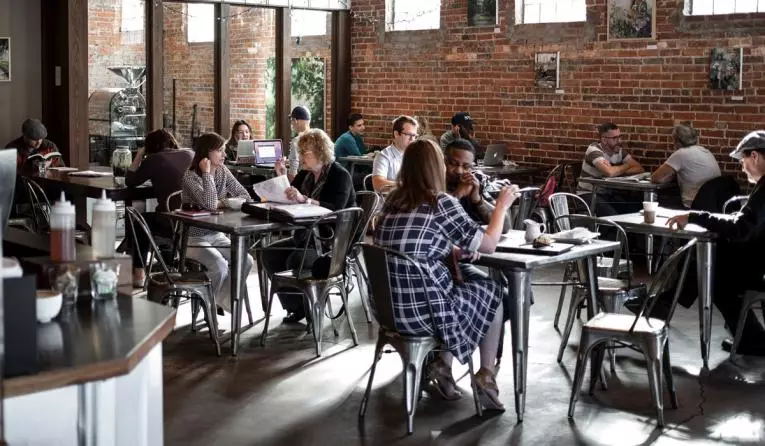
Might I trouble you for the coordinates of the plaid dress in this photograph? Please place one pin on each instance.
(462, 312)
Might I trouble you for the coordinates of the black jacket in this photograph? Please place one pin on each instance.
(748, 227)
(337, 192)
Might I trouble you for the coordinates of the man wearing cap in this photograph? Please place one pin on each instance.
(33, 142)
(300, 119)
(740, 244)
(462, 127)
(387, 163)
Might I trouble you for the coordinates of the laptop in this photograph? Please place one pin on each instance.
(267, 152)
(495, 154)
(245, 152)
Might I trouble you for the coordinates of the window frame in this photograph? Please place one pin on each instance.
(520, 13)
(688, 9)
(189, 17)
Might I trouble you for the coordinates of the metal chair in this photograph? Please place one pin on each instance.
(413, 350)
(168, 286)
(649, 335)
(751, 299)
(367, 183)
(614, 290)
(741, 200)
(561, 204)
(40, 207)
(316, 290)
(370, 203)
(527, 203)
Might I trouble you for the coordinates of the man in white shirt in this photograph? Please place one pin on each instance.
(388, 162)
(605, 159)
(692, 165)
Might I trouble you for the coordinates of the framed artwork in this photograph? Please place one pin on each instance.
(482, 12)
(726, 68)
(547, 70)
(5, 59)
(631, 19)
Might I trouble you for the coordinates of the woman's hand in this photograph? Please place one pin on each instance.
(507, 196)
(678, 220)
(295, 195)
(138, 158)
(280, 167)
(205, 165)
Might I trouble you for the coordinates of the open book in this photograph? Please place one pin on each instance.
(292, 212)
(272, 190)
(45, 157)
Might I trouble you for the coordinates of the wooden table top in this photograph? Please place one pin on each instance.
(94, 343)
(92, 186)
(233, 222)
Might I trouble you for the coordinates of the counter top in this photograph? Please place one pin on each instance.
(94, 343)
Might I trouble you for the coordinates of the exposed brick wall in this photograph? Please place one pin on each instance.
(488, 71)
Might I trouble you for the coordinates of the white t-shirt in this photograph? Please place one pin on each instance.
(693, 166)
(387, 163)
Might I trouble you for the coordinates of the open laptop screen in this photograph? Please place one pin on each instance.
(268, 151)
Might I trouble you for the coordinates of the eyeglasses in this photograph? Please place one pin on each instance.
(408, 135)
(456, 164)
(612, 137)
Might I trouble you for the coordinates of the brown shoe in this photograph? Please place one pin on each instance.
(488, 392)
(440, 376)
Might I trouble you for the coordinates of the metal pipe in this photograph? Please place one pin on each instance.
(174, 128)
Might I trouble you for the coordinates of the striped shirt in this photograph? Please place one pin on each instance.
(593, 154)
(207, 189)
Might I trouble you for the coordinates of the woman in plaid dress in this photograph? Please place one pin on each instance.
(421, 220)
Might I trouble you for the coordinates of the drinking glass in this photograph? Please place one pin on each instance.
(65, 279)
(103, 280)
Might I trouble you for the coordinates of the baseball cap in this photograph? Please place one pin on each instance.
(754, 140)
(463, 119)
(300, 113)
(34, 129)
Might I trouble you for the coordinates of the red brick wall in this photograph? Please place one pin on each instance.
(489, 72)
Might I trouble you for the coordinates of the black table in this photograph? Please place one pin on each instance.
(76, 186)
(518, 269)
(352, 160)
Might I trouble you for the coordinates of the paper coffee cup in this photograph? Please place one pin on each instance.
(650, 206)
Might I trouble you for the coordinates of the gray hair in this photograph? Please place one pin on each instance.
(685, 135)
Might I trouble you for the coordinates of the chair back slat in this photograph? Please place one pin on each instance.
(376, 259)
(734, 204)
(370, 203)
(526, 204)
(344, 224)
(595, 224)
(137, 222)
(561, 205)
(40, 205)
(665, 278)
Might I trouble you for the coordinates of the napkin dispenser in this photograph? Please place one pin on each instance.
(20, 326)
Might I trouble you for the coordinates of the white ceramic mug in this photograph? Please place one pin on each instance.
(48, 305)
(533, 229)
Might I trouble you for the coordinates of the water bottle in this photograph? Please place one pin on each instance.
(62, 221)
(104, 231)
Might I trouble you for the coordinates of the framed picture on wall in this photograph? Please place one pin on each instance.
(5, 59)
(631, 19)
(547, 70)
(726, 68)
(482, 12)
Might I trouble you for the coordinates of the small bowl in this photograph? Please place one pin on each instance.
(235, 203)
(48, 305)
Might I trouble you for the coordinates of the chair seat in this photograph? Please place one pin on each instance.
(621, 323)
(606, 263)
(611, 285)
(190, 278)
(289, 276)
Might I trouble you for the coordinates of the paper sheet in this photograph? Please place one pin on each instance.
(90, 173)
(273, 190)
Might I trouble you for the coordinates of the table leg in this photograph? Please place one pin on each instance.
(705, 251)
(237, 261)
(86, 414)
(184, 243)
(520, 285)
(352, 168)
(593, 199)
(649, 196)
(592, 300)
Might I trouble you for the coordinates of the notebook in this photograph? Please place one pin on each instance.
(245, 152)
(495, 154)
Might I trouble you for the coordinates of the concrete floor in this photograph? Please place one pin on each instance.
(283, 395)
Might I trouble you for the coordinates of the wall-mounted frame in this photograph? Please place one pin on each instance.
(726, 68)
(5, 59)
(482, 12)
(631, 19)
(547, 70)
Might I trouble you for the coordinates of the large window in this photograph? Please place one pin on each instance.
(252, 37)
(716, 7)
(308, 23)
(200, 26)
(189, 74)
(116, 75)
(550, 11)
(405, 15)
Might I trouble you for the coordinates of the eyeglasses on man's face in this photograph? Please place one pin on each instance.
(456, 164)
(408, 135)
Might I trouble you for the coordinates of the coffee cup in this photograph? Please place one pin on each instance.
(48, 305)
(234, 203)
(649, 211)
